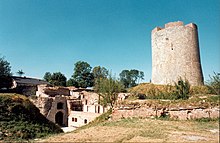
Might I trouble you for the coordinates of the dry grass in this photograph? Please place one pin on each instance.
(143, 130)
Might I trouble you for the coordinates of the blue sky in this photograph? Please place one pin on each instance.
(51, 35)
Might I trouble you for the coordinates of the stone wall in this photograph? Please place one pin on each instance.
(46, 91)
(177, 113)
(175, 53)
(43, 104)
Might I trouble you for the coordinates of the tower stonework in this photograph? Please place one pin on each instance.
(175, 53)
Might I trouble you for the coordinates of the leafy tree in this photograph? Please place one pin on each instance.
(5, 73)
(47, 76)
(5, 68)
(56, 79)
(125, 78)
(130, 77)
(108, 89)
(20, 73)
(72, 82)
(100, 72)
(82, 74)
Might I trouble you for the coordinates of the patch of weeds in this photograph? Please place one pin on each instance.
(207, 120)
(153, 133)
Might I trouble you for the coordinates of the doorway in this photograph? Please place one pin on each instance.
(59, 118)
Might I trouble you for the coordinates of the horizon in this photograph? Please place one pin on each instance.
(51, 36)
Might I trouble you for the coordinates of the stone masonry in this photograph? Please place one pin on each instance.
(175, 53)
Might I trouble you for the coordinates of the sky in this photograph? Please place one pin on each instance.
(41, 36)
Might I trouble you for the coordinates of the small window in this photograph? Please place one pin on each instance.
(60, 105)
(74, 119)
(85, 121)
(86, 102)
(167, 38)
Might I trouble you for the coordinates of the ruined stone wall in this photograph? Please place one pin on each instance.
(175, 53)
(173, 113)
(43, 104)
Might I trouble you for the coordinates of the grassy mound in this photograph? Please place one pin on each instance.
(152, 91)
(21, 120)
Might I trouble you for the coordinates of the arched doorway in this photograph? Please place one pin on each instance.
(59, 118)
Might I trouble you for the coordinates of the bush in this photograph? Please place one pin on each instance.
(182, 89)
(214, 83)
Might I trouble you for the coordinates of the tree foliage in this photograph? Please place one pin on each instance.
(56, 79)
(5, 73)
(82, 76)
(100, 72)
(5, 68)
(20, 73)
(108, 89)
(130, 78)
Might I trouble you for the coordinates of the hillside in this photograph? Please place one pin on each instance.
(21, 120)
(143, 130)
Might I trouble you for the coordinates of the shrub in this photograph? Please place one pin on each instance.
(214, 83)
(182, 89)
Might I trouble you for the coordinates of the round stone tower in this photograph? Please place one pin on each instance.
(175, 53)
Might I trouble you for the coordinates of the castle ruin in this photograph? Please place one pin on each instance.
(175, 54)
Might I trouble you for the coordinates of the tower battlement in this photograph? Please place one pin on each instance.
(174, 24)
(175, 53)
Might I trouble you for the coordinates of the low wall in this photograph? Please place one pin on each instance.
(177, 113)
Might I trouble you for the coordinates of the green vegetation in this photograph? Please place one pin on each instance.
(214, 83)
(108, 89)
(181, 90)
(55, 79)
(82, 76)
(20, 120)
(131, 78)
(20, 73)
(5, 73)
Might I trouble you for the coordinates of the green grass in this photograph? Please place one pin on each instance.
(20, 120)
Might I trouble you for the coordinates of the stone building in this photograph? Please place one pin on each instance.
(68, 106)
(175, 53)
(26, 85)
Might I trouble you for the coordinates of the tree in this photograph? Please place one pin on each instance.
(100, 72)
(5, 68)
(5, 74)
(72, 82)
(125, 78)
(108, 89)
(82, 74)
(130, 77)
(20, 73)
(56, 79)
(47, 76)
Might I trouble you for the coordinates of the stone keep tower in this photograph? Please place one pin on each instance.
(175, 53)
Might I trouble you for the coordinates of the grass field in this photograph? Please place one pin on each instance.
(143, 130)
